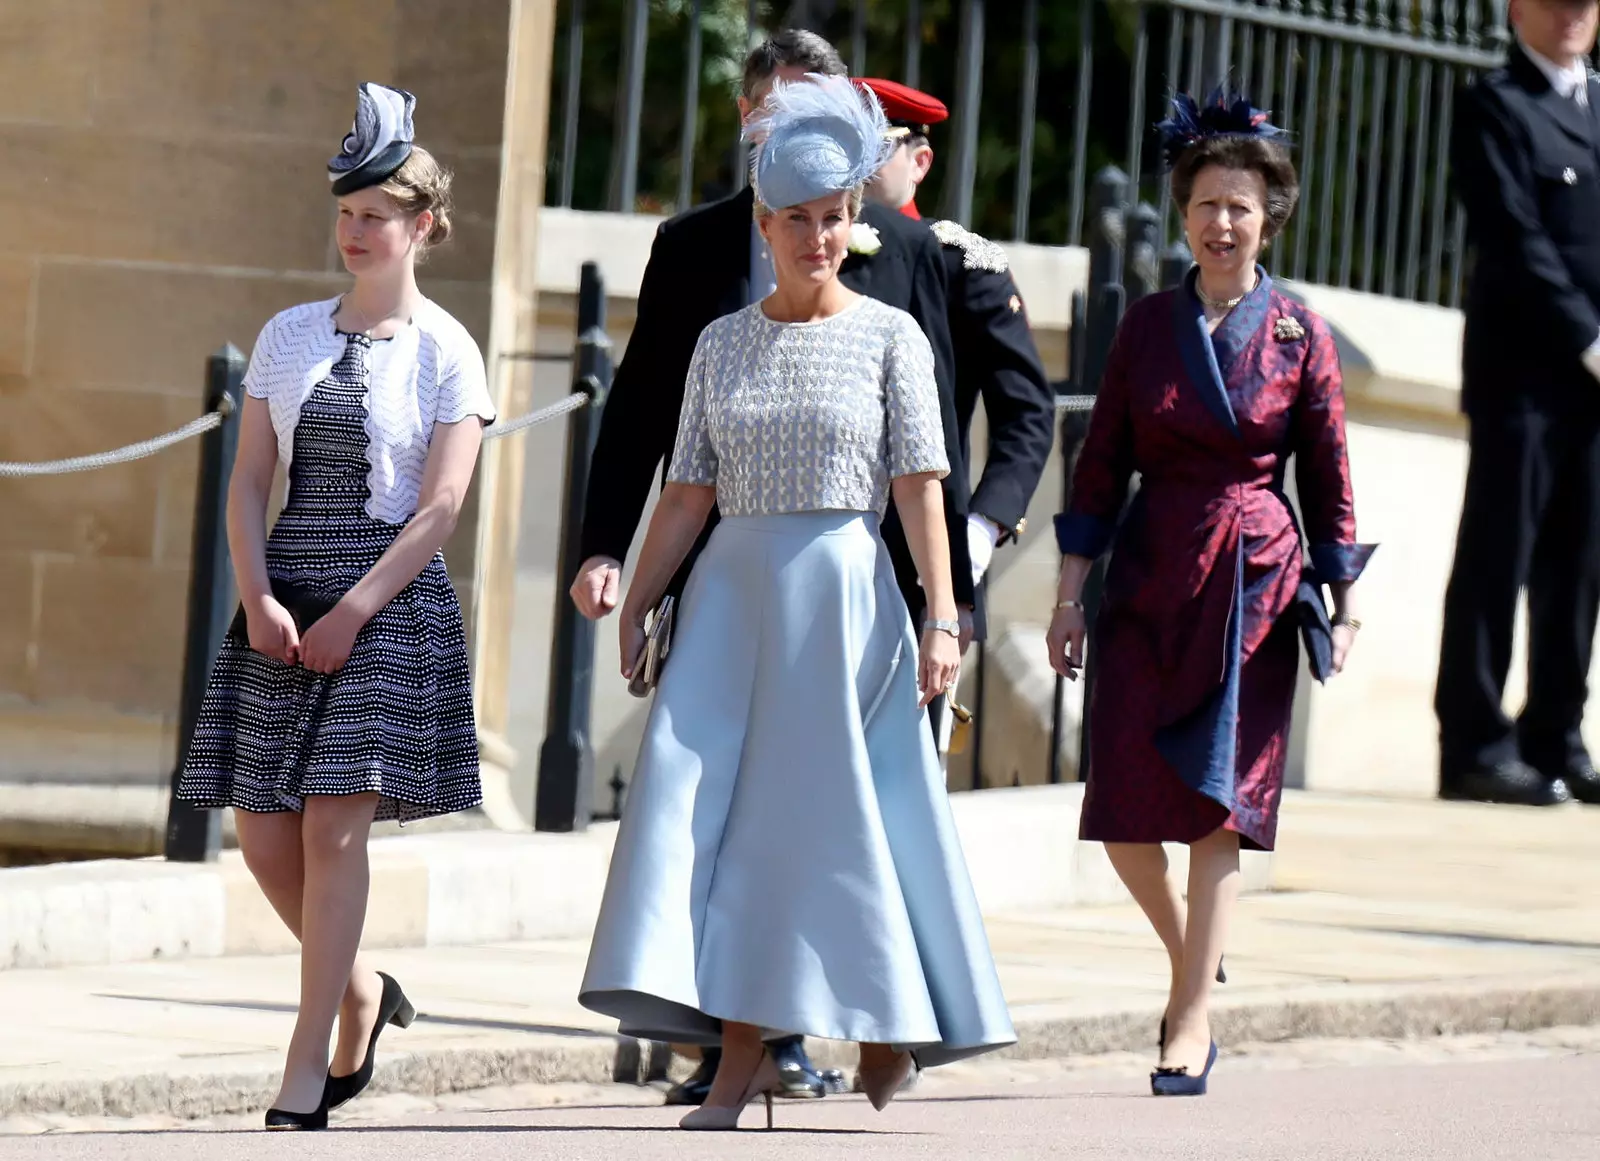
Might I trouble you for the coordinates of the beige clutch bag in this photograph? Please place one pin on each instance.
(657, 642)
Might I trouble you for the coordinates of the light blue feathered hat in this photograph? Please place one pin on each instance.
(816, 137)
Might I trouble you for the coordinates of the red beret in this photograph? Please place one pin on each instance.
(905, 105)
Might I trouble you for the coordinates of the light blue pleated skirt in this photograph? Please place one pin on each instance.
(786, 856)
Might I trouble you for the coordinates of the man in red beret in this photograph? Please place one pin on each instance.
(995, 355)
(912, 115)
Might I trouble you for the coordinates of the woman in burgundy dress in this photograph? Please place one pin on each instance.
(1208, 391)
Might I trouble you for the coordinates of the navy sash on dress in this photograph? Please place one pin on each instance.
(1203, 746)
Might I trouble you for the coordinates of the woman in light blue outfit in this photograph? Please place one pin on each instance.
(791, 714)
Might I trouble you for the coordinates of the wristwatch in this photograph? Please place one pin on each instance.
(951, 627)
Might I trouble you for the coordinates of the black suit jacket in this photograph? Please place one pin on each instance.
(699, 271)
(996, 360)
(1526, 165)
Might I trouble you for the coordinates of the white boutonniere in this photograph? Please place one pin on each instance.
(864, 239)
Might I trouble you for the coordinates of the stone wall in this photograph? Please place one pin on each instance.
(164, 192)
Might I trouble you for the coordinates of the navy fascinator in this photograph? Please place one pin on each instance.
(379, 142)
(1225, 114)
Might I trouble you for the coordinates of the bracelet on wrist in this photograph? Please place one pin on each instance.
(1346, 619)
(1069, 605)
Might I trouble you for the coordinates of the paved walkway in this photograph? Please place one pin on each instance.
(1389, 919)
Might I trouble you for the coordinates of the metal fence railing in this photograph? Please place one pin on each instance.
(1366, 87)
(644, 118)
(644, 97)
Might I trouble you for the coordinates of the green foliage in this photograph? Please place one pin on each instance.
(724, 45)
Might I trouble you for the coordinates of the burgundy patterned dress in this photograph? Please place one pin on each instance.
(1197, 641)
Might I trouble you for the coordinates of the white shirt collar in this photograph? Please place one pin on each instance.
(1565, 80)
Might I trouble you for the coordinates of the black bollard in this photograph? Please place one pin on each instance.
(1141, 266)
(562, 801)
(1108, 243)
(195, 835)
(1175, 263)
(1108, 197)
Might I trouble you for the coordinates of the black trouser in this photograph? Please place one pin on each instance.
(713, 1055)
(1531, 519)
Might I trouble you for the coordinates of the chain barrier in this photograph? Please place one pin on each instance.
(212, 420)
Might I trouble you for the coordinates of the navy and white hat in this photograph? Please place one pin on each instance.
(379, 141)
(816, 137)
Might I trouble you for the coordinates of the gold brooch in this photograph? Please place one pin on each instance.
(1287, 330)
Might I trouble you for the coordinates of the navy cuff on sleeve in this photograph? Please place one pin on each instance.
(1340, 563)
(1078, 534)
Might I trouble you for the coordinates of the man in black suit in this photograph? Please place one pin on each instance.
(1526, 156)
(995, 355)
(707, 263)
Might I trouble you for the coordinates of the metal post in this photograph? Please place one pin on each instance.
(913, 66)
(195, 835)
(1141, 265)
(691, 112)
(858, 38)
(1219, 47)
(569, 102)
(1030, 97)
(969, 94)
(562, 801)
(1108, 199)
(1072, 431)
(741, 151)
(1109, 226)
(1175, 263)
(625, 151)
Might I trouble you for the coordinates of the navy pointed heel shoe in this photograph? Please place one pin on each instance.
(1178, 1082)
(394, 1009)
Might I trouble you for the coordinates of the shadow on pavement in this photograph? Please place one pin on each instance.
(440, 1021)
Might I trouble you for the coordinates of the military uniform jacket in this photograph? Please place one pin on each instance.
(996, 360)
(1526, 164)
(699, 271)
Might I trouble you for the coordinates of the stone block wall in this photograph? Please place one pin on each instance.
(164, 192)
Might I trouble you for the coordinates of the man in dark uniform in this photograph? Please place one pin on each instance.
(995, 355)
(706, 263)
(1526, 156)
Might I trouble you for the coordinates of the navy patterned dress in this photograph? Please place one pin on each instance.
(397, 718)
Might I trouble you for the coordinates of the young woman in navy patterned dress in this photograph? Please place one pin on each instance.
(344, 696)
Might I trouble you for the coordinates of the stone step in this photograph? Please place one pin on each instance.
(444, 889)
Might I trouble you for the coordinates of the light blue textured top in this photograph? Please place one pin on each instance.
(807, 417)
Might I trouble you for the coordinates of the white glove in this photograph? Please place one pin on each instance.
(1591, 358)
(982, 537)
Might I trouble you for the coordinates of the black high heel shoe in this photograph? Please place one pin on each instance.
(394, 1009)
(1178, 1082)
(280, 1120)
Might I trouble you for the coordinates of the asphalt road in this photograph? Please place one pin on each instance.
(1463, 1100)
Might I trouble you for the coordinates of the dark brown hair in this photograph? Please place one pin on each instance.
(1266, 157)
(791, 48)
(423, 184)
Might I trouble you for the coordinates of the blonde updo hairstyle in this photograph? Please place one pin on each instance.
(857, 198)
(421, 183)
